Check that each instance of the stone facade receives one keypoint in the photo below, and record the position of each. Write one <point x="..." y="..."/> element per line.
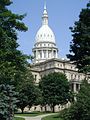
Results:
<point x="58" y="65"/>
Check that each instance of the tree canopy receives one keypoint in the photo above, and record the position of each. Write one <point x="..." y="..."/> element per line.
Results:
<point x="12" y="61"/>
<point x="55" y="89"/>
<point x="7" y="102"/>
<point x="80" y="49"/>
<point x="80" y="45"/>
<point x="80" y="110"/>
<point x="27" y="91"/>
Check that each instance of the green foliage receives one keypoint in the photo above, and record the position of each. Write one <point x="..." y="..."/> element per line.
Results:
<point x="55" y="89"/>
<point x="39" y="98"/>
<point x="80" y="110"/>
<point x="80" y="45"/>
<point x="27" y="91"/>
<point x="7" y="102"/>
<point x="12" y="61"/>
<point x="18" y="118"/>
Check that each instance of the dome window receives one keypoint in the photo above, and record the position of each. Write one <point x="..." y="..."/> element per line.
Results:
<point x="44" y="35"/>
<point x="54" y="53"/>
<point x="35" y="53"/>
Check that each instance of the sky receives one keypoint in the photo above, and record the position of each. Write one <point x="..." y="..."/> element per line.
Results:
<point x="62" y="15"/>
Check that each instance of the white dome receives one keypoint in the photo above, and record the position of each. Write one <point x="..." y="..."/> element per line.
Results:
<point x="45" y="34"/>
<point x="45" y="47"/>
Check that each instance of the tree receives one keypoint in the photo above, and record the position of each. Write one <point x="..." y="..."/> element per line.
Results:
<point x="12" y="61"/>
<point x="7" y="102"/>
<point x="55" y="89"/>
<point x="80" y="110"/>
<point x="80" y="45"/>
<point x="27" y="91"/>
<point x="39" y="98"/>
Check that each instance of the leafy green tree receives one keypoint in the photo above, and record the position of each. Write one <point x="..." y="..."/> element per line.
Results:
<point x="12" y="61"/>
<point x="80" y="45"/>
<point x="55" y="89"/>
<point x="39" y="98"/>
<point x="7" y="102"/>
<point x="80" y="110"/>
<point x="27" y="91"/>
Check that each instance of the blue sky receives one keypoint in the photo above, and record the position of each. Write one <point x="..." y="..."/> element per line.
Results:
<point x="62" y="15"/>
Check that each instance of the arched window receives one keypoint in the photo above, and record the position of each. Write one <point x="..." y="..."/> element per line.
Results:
<point x="54" y="53"/>
<point x="35" y="54"/>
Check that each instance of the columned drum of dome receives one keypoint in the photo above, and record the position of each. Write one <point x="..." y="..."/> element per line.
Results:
<point x="45" y="46"/>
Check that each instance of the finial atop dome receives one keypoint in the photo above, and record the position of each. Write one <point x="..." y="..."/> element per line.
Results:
<point x="45" y="15"/>
<point x="45" y="5"/>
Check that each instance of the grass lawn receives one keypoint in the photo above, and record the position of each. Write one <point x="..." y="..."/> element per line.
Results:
<point x="17" y="118"/>
<point x="32" y="114"/>
<point x="52" y="117"/>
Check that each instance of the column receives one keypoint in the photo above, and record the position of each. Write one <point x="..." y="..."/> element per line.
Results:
<point x="74" y="87"/>
<point x="56" y="54"/>
<point x="52" y="54"/>
<point x="42" y="54"/>
<point x="36" y="54"/>
<point x="79" y="86"/>
<point x="47" y="54"/>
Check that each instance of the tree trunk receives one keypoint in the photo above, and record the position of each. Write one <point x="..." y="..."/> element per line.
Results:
<point x="53" y="108"/>
<point x="22" y="110"/>
<point x="45" y="108"/>
<point x="10" y="110"/>
<point x="41" y="108"/>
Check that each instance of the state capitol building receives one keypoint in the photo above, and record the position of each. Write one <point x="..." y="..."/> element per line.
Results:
<point x="46" y="58"/>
